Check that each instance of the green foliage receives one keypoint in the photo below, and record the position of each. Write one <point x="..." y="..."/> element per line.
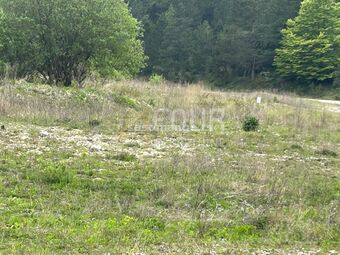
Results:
<point x="310" y="48"/>
<point x="215" y="41"/>
<point x="250" y="124"/>
<point x="94" y="123"/>
<point x="126" y="101"/>
<point x="124" y="156"/>
<point x="65" y="39"/>
<point x="336" y="82"/>
<point x="321" y="191"/>
<point x="327" y="152"/>
<point x="235" y="233"/>
<point x="156" y="79"/>
<point x="51" y="173"/>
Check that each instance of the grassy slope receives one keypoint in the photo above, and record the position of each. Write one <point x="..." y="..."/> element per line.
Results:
<point x="74" y="180"/>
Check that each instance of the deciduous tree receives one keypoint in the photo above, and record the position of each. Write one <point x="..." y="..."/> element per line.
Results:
<point x="65" y="39"/>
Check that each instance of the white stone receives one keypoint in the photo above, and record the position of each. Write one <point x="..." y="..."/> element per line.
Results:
<point x="44" y="133"/>
<point x="96" y="147"/>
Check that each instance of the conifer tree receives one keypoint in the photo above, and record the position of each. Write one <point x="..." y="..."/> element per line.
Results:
<point x="310" y="44"/>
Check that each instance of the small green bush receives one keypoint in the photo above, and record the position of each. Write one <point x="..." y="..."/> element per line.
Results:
<point x="124" y="156"/>
<point x="53" y="174"/>
<point x="235" y="233"/>
<point x="94" y="123"/>
<point x="126" y="101"/>
<point x="250" y="124"/>
<point x="157" y="79"/>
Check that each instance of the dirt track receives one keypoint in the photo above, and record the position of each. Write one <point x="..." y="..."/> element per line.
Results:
<point x="330" y="105"/>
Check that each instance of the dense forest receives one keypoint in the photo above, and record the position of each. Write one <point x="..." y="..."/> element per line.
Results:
<point x="215" y="40"/>
<point x="218" y="42"/>
<point x="221" y="41"/>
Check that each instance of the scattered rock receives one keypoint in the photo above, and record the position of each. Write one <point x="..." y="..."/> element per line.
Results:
<point x="2" y="127"/>
<point x="44" y="133"/>
<point x="96" y="147"/>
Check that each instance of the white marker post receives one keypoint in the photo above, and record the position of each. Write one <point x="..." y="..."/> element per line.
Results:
<point x="259" y="100"/>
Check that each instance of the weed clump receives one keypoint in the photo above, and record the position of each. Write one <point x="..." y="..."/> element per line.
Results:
<point x="250" y="124"/>
<point x="157" y="79"/>
<point x="327" y="153"/>
<point x="94" y="123"/>
<point x="124" y="156"/>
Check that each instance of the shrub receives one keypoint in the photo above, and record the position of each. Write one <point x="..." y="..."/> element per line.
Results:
<point x="51" y="173"/>
<point x="156" y="79"/>
<point x="124" y="156"/>
<point x="94" y="123"/>
<point x="250" y="124"/>
<point x="235" y="233"/>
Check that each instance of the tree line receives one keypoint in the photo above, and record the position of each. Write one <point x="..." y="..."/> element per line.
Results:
<point x="217" y="41"/>
<point x="223" y="40"/>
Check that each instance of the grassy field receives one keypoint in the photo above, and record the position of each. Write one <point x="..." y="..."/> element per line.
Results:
<point x="140" y="168"/>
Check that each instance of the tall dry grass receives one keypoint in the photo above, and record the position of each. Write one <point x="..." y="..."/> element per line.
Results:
<point x="127" y="103"/>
